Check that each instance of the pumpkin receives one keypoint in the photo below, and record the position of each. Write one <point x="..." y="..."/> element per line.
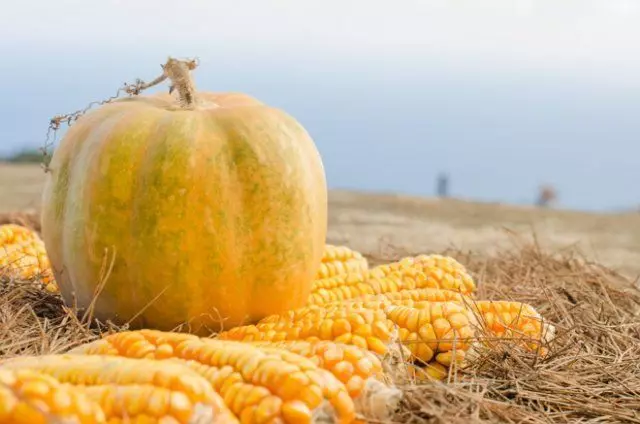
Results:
<point x="199" y="208"/>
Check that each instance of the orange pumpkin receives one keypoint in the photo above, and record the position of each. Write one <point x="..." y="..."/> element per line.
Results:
<point x="192" y="210"/>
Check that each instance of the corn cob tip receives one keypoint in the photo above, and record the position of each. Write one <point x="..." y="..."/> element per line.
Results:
<point x="514" y="320"/>
<point x="548" y="332"/>
<point x="378" y="401"/>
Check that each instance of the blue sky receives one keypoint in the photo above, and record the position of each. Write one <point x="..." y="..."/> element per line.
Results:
<point x="503" y="95"/>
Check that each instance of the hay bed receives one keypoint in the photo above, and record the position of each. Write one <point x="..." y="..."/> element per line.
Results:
<point x="592" y="374"/>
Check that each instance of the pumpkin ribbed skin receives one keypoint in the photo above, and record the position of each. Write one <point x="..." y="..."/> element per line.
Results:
<point x="214" y="213"/>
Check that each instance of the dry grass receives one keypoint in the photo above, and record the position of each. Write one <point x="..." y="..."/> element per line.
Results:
<point x="591" y="375"/>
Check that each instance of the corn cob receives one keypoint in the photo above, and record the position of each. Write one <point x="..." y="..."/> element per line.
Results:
<point x="496" y="319"/>
<point x="16" y="234"/>
<point x="27" y="262"/>
<point x="133" y="389"/>
<point x="23" y="256"/>
<point x="28" y="396"/>
<point x="429" y="331"/>
<point x="499" y="319"/>
<point x="339" y="260"/>
<point x="258" y="385"/>
<point x="441" y="272"/>
<point x="358" y="286"/>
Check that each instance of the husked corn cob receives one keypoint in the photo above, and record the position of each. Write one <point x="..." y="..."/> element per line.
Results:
<point x="427" y="272"/>
<point x="31" y="397"/>
<point x="258" y="385"/>
<point x="15" y="234"/>
<point x="138" y="390"/>
<point x="506" y="319"/>
<point x="23" y="255"/>
<point x="429" y="331"/>
<point x="366" y="328"/>
<point x="500" y="319"/>
<point x="339" y="260"/>
<point x="441" y="272"/>
<point x="350" y="364"/>
<point x="27" y="262"/>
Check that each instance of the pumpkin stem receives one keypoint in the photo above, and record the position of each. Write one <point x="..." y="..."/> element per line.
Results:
<point x="178" y="72"/>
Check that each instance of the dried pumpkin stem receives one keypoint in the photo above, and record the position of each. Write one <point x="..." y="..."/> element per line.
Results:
<point x="178" y="72"/>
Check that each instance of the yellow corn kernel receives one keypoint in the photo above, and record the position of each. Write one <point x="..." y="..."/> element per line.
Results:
<point x="258" y="385"/>
<point x="16" y="234"/>
<point x="339" y="287"/>
<point x="423" y="295"/>
<point x="428" y="329"/>
<point x="433" y="371"/>
<point x="151" y="404"/>
<point x="394" y="282"/>
<point x="449" y="357"/>
<point x="27" y="260"/>
<point x="169" y="389"/>
<point x="441" y="272"/>
<point x="339" y="260"/>
<point x="498" y="319"/>
<point x="515" y="320"/>
<point x="339" y="253"/>
<point x="339" y="322"/>
<point x="352" y="365"/>
<point x="31" y="397"/>
<point x="358" y="286"/>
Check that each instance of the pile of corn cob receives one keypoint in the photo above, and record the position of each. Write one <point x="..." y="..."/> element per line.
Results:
<point x="23" y="256"/>
<point x="321" y="363"/>
<point x="426" y="303"/>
